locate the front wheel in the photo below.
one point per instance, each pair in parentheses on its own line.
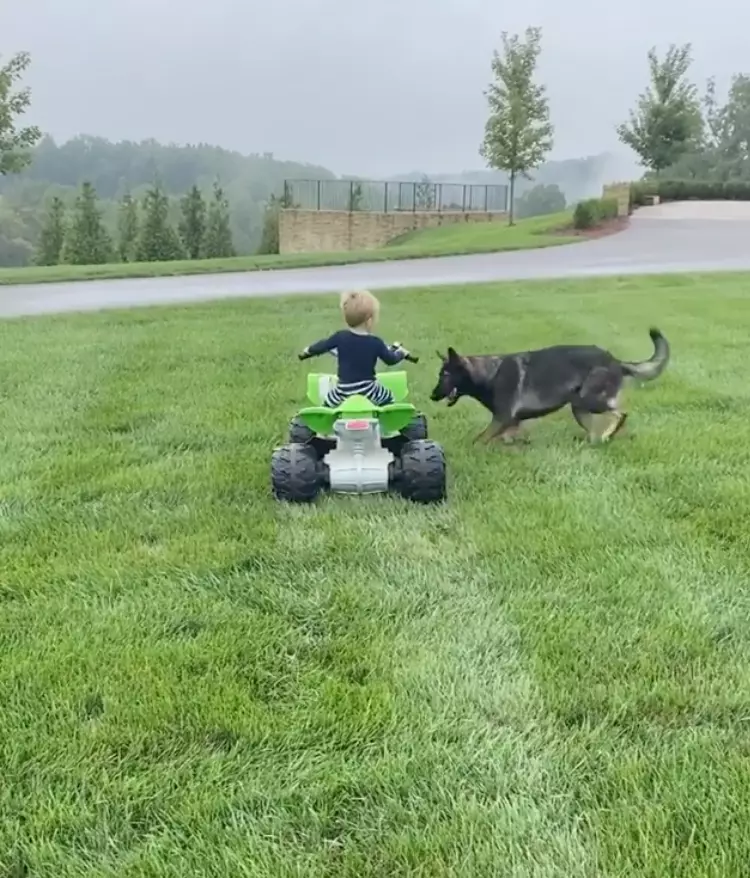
(295,474)
(299,431)
(422,476)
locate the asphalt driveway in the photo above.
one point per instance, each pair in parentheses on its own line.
(684,237)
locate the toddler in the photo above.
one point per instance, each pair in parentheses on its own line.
(358,351)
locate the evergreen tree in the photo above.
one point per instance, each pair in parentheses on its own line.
(158,241)
(193,223)
(52,237)
(87,242)
(269,240)
(127,229)
(518,133)
(218,232)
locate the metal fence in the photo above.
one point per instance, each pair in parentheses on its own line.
(393,196)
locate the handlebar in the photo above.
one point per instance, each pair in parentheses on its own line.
(410,358)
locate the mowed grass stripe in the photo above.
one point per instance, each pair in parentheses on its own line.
(657,562)
(673,678)
(534,680)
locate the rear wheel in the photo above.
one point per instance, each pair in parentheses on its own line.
(416,429)
(295,474)
(422,476)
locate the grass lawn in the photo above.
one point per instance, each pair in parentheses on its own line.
(549,676)
(446,241)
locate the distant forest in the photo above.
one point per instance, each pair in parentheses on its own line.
(248,181)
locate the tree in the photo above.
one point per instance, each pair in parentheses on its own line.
(49,250)
(157,241)
(667,120)
(15,143)
(87,242)
(269,241)
(729,128)
(218,231)
(269,238)
(518,133)
(356,196)
(424,194)
(127,228)
(541,200)
(193,223)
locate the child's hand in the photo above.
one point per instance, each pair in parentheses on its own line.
(304,355)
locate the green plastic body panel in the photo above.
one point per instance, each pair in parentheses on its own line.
(396,382)
(392,417)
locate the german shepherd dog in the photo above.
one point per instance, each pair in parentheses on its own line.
(520,386)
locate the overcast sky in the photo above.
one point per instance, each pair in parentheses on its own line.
(360,87)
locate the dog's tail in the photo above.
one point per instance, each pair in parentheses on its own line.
(648,370)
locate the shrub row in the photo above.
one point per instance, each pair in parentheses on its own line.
(688,190)
(593,211)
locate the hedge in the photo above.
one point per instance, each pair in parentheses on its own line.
(593,211)
(688,190)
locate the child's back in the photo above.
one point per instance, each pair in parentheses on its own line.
(358,351)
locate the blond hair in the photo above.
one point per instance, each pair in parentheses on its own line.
(359,306)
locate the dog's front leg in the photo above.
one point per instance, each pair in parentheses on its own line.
(499,429)
(493,429)
(512,434)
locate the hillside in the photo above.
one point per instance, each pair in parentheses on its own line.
(248,180)
(116,168)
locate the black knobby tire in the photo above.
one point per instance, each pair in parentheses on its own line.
(295,474)
(299,432)
(422,472)
(416,429)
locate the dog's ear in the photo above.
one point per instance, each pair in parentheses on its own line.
(456,363)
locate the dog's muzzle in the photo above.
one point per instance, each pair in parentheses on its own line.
(452,397)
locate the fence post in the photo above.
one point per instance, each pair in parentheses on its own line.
(351,195)
(439,197)
(486,197)
(385,198)
(286,191)
(463,200)
(413,197)
(318,195)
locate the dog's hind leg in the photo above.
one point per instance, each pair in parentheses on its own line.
(584,418)
(617,421)
(597,406)
(600,426)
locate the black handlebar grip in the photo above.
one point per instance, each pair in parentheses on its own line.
(411,358)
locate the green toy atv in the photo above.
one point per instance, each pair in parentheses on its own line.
(358,447)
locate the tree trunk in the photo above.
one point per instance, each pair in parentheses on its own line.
(512,199)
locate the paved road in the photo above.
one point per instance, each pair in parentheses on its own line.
(667,239)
